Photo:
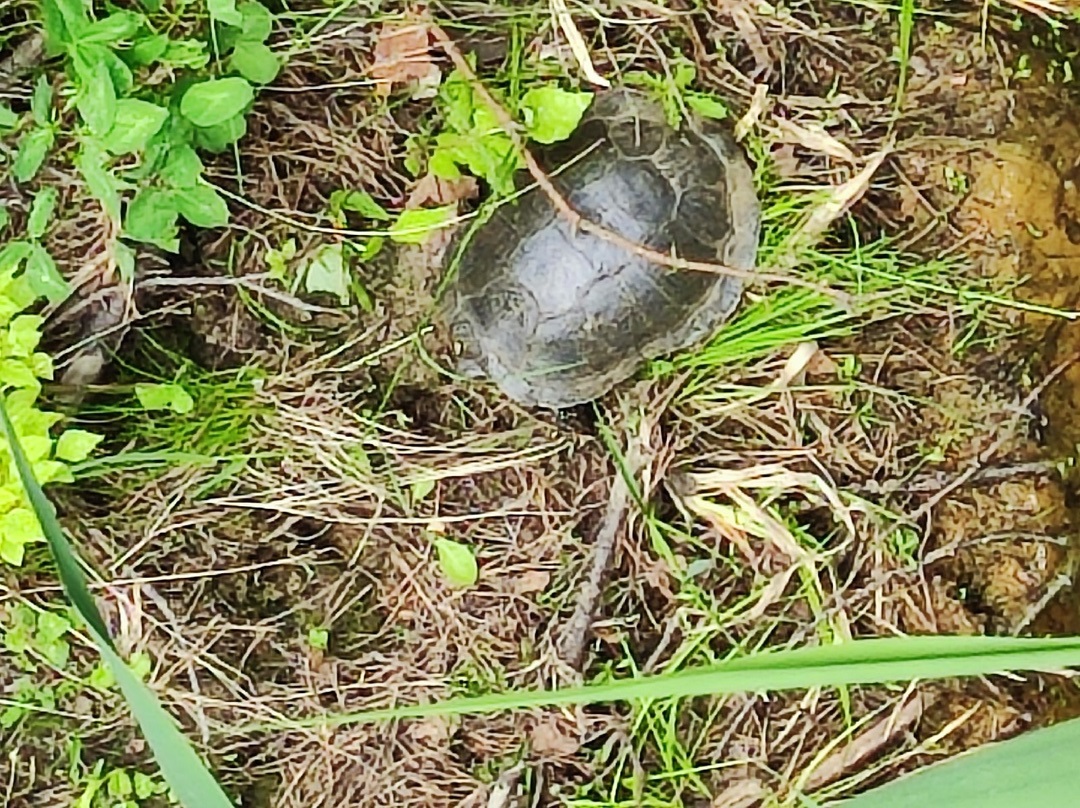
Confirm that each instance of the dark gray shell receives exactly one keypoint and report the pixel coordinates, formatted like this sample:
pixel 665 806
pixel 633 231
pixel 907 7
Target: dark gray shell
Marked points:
pixel 557 318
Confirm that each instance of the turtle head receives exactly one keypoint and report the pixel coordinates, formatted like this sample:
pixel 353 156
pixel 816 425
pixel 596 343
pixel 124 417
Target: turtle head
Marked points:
pixel 468 359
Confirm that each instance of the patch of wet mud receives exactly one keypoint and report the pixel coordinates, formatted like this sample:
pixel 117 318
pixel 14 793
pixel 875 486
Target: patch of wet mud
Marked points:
pixel 1004 191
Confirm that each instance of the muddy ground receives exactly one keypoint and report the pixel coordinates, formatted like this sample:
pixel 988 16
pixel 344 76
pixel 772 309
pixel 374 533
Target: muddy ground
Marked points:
pixel 954 464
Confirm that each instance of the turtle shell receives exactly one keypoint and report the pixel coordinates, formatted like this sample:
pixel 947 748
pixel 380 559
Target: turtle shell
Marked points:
pixel 555 317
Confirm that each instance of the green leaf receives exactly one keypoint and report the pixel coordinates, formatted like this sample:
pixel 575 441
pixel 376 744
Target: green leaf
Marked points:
pixel 318 638
pixel 145 787
pixel 420 490
pixel 41 101
pixel 220 137
pixel 75 445
pixel 148 49
pixel 457 563
pixel 122 78
pixel 456 101
pixel 492 156
pixel 255 62
pixel 90 162
pixel 8 119
pixel 278 258
pixel 45 279
pixel 358 202
pixel 33 149
pixel 12 255
pixel 216 101
pixel 165 396
pixel 41 210
pixel 76 17
pixel 414 226
pixel 50 625
pixel 56 32
pixel 96 100
pixel 20 526
pixel 42 366
pixel 257 23
pixel 188 776
pixel 224 11
pixel 24 334
pixel 14 373
pixel 11 552
pixel 125 261
pixel 151 218
pixel 706 106
pixel 201 205
pixel 552 114
pixel 1035 768
pixel 4 217
pixel 135 123
pixel 327 272
pixel 853 662
pixel 117 26
pixel 118 784
pixel 183 168
pixel 188 53
pixel 101 677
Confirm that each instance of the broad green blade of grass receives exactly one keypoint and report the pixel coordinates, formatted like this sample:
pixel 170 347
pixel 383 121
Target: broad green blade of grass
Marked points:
pixel 181 767
pixel 1038 768
pixel 907 25
pixel 870 661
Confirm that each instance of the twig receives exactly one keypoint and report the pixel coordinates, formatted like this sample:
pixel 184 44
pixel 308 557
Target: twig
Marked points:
pixel 580 223
pixel 934 481
pixel 576 632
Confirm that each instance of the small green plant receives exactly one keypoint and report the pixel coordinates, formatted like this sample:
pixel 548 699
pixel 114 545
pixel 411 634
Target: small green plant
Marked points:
pixel 457 562
pixel 472 137
pixel 22 367
pixel 120 787
pixel 674 89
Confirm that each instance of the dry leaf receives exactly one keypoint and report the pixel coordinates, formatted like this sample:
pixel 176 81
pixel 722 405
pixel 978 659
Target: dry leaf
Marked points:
pixel 550 738
pixel 796 364
pixel 403 56
pixel 785 162
pixel 815 139
pixel 743 794
pixel 431 732
pixel 577 43
pixel 531 581
pixel 821 364
pixel 840 199
pixel 432 191
pixel 750 120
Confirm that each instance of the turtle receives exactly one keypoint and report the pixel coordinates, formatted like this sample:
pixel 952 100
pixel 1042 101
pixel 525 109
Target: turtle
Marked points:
pixel 557 317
